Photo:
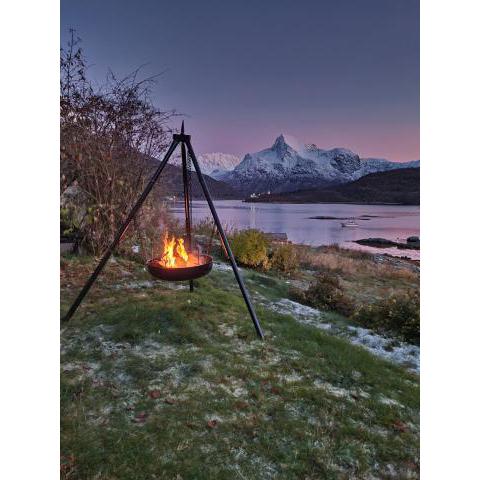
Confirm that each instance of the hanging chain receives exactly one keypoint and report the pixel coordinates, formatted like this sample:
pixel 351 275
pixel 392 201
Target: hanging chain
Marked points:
pixel 189 186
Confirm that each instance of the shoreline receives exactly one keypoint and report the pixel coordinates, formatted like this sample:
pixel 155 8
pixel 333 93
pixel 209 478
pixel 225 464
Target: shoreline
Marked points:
pixel 403 254
pixel 319 224
pixel 331 203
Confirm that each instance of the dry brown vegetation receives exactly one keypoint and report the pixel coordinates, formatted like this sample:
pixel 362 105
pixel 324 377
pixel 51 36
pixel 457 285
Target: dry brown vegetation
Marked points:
pixel 108 136
pixel 352 262
pixel 384 289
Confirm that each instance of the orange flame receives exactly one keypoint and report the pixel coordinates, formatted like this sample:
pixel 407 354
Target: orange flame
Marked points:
pixel 181 250
pixel 168 257
pixel 175 255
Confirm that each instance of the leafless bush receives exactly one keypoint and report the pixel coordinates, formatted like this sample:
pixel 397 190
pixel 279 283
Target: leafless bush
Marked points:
pixel 109 137
pixel 327 293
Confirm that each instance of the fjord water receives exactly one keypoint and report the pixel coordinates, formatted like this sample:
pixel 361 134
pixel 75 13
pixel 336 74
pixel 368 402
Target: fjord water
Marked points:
pixel 393 222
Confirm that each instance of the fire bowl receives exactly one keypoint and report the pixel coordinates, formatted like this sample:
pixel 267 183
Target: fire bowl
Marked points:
pixel 182 273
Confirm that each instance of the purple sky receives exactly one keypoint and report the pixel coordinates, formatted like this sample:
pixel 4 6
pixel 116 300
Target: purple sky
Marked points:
pixel 332 72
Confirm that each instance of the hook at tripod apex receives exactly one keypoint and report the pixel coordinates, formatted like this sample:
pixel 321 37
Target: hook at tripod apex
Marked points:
pixel 181 137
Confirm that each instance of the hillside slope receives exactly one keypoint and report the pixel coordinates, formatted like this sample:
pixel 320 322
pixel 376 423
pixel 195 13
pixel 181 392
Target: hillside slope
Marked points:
pixel 172 384
pixel 395 186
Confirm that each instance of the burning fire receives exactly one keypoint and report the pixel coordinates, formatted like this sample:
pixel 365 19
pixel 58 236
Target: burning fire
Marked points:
pixel 174 254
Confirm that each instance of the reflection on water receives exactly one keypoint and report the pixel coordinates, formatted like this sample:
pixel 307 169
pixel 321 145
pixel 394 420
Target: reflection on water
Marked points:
pixel 394 222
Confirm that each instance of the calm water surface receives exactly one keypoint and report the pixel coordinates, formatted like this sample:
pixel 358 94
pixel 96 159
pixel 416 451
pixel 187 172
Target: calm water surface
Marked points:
pixel 395 222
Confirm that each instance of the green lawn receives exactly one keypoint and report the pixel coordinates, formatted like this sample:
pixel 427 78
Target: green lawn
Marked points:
pixel 162 383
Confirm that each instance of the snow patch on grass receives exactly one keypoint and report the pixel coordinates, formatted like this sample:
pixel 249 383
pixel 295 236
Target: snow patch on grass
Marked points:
pixel 389 401
pixel 332 390
pixel 339 392
pixel 398 352
pixel 145 284
pixel 222 267
pixel 148 349
pixel 264 468
pixel 302 313
pixel 173 376
pixel 292 354
pixel 199 384
pixel 81 370
pixel 227 330
pixel 214 418
pixel 151 350
pixel 135 285
pixel 293 377
pixel 235 387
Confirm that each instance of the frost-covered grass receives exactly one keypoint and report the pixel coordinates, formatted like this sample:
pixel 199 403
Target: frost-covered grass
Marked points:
pixel 161 383
pixel 394 350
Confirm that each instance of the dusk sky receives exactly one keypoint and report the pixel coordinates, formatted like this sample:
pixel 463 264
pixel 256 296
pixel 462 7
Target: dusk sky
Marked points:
pixel 337 73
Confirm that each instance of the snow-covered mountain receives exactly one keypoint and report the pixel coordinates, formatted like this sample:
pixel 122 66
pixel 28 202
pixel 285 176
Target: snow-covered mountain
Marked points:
pixel 214 164
pixel 289 165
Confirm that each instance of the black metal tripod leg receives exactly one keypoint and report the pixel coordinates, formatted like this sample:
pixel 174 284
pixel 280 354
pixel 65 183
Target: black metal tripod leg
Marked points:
pixel 120 233
pixel 243 289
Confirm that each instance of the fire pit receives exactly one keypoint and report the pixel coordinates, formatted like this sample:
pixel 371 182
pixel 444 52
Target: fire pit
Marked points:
pixel 156 268
pixel 176 264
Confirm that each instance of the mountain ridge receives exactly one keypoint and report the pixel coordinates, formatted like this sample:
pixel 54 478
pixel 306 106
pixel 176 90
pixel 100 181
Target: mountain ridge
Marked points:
pixel 289 165
pixel 214 164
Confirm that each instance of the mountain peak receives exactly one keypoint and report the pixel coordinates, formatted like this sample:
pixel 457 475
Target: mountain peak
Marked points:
pixel 280 146
pixel 279 142
pixel 282 142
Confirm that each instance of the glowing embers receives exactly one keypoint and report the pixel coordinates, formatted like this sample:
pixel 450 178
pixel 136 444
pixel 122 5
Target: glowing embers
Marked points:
pixel 176 263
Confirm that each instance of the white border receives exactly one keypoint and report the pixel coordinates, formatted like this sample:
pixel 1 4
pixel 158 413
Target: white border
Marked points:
pixel 29 358
pixel 450 138
pixel 450 313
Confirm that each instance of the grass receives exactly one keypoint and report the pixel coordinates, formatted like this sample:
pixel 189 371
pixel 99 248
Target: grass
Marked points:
pixel 161 383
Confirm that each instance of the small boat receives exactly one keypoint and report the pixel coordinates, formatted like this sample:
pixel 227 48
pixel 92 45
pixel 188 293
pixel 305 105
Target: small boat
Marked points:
pixel 350 223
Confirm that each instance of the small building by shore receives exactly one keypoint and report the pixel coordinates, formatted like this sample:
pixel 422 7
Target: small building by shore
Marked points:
pixel 278 237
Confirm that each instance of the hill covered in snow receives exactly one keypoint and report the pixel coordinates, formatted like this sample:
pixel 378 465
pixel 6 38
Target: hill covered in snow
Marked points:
pixel 214 164
pixel 289 165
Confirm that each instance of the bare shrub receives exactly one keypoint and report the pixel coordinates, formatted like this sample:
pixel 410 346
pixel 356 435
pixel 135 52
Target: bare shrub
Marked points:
pixel 109 137
pixel 326 293
pixel 204 227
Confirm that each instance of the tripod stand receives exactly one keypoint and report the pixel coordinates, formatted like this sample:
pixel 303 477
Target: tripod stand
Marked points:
pixel 184 141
